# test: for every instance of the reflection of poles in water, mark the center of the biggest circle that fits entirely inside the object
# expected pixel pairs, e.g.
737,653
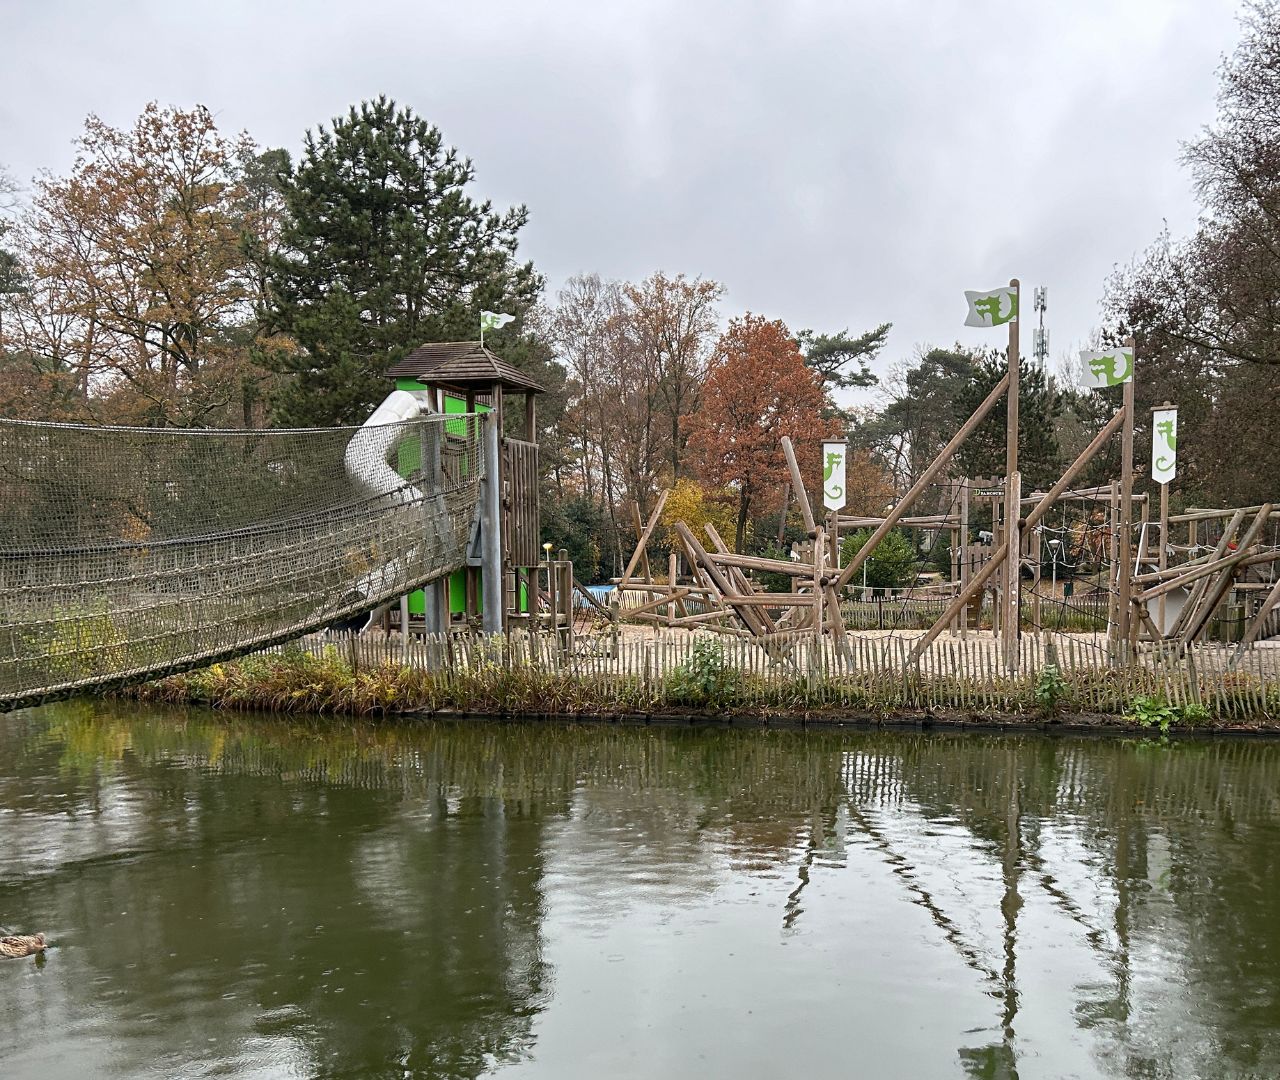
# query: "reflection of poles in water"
1011,902
1122,922
906,873
824,822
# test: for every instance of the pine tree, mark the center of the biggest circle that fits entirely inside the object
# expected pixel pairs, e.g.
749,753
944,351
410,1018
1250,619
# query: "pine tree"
384,250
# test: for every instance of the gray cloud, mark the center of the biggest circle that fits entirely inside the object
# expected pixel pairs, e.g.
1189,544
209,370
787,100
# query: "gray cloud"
834,164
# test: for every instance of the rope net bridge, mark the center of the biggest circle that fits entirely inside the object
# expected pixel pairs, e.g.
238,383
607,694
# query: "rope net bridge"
128,553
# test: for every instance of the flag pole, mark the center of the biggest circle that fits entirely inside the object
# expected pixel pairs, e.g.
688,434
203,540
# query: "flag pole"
1125,614
1013,496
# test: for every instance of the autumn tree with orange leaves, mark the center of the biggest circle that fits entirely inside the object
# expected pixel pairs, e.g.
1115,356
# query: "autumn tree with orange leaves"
758,390
138,290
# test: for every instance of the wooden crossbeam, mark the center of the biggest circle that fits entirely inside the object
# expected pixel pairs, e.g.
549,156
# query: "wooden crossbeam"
1218,590
926,478
645,533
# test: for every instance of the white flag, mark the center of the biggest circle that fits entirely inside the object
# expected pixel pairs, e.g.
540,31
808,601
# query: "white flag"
833,457
1110,367
1164,445
993,308
494,320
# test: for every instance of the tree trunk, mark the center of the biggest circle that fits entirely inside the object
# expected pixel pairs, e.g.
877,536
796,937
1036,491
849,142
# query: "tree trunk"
740,533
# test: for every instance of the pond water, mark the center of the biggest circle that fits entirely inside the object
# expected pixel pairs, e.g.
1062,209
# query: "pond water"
248,897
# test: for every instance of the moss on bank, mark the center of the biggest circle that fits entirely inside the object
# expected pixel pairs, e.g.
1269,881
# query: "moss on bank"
300,682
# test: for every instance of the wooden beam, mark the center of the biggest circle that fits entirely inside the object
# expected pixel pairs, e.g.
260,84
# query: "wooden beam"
926,478
739,579
978,580
645,533
797,484
756,562
1256,623
1126,506
1219,552
749,616
1216,593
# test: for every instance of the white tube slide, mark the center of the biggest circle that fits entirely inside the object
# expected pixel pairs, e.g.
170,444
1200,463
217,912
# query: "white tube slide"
367,459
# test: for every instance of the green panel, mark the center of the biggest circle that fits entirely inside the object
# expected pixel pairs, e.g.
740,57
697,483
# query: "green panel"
408,458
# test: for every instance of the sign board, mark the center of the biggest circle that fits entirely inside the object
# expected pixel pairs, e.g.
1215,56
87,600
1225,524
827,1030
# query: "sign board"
1164,444
989,493
833,478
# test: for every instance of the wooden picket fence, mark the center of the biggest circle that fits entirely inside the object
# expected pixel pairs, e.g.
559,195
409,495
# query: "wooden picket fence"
966,673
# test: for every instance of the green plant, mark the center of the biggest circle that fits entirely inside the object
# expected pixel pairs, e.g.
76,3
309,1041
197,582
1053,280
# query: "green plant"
1148,711
1050,689
770,580
706,680
891,566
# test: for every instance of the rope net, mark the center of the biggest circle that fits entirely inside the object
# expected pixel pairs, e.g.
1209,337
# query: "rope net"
129,553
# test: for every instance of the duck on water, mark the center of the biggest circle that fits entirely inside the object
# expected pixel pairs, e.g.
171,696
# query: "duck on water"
19,945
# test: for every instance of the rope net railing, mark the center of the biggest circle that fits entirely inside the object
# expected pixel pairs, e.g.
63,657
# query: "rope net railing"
130,553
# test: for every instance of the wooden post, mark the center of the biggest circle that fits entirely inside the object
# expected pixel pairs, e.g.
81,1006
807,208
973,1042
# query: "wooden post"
672,559
491,530
974,585
797,484
1125,568
1013,571
1013,500
819,558
643,541
965,568
1164,547
1113,577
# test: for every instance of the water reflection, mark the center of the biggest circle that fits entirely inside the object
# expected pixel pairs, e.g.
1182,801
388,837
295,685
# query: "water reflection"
266,898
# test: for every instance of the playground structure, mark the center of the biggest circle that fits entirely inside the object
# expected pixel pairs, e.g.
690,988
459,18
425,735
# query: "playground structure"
128,554
1148,598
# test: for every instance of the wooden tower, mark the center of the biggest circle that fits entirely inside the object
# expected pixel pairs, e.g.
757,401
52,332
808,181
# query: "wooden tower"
465,377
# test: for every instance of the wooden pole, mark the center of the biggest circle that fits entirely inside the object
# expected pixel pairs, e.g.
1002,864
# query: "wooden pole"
1013,572
1113,576
975,583
1013,500
1164,549
797,484
1125,570
1219,590
819,558
964,550
926,478
645,533
672,559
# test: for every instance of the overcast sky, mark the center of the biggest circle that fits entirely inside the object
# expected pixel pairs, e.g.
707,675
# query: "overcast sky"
833,164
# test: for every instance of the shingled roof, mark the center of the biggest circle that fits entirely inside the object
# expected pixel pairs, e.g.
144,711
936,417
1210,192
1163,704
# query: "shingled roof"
463,365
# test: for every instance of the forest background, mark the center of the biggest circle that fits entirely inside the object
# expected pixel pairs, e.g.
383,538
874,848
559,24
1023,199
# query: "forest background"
178,275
